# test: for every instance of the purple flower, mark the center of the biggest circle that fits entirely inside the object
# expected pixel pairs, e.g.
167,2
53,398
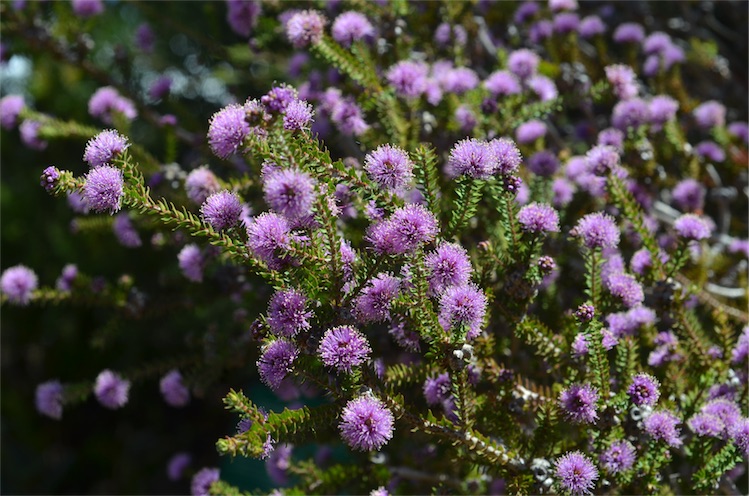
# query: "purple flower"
530,131
710,114
629,32
177,465
298,116
87,8
227,131
465,118
689,195
277,464
67,278
597,230
737,129
726,410
661,109
222,210
538,218
405,230
543,87
566,22
627,288
692,227
125,232
710,150
242,16
473,158
202,480
305,28
446,32
200,184
287,313
276,362
10,107
506,154
623,81
502,83
408,78
373,304
160,87
543,163
448,266
661,425
18,284
462,306
612,137
49,399
344,348
630,113
366,423
347,115
525,11
618,457
30,135
557,5
275,101
563,191
191,262
104,147
540,30
437,389
523,63
459,80
575,473
111,390
590,26
103,189
173,389
390,167
741,351
145,38
739,432
106,101
644,390
290,192
266,235
579,403
706,424
656,42
351,26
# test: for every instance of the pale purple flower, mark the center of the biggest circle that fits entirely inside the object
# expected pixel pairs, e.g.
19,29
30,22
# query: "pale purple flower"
465,118
10,107
618,457
446,32
227,131
373,304
625,287
448,266
29,131
111,390
741,351
268,234
473,158
530,131
404,231
305,28
710,150
18,284
160,87
276,362
543,87
662,425
506,155
578,402
656,43
177,465
458,80
706,424
277,464
366,423
502,83
462,306
692,227
106,101
437,389
343,348
538,218
408,78
641,261
611,137
623,81
661,109
200,184
591,26
689,195
543,163
290,192
566,22
390,167
77,202
710,114
629,32
298,116
222,210
49,399
202,481
349,118
726,410
287,313
191,262
125,231
739,433
644,390
525,11
103,189
275,101
630,113
87,8
557,5
67,278
173,389
242,16
563,191
351,26
597,230
740,130
104,147
145,38
575,473
540,30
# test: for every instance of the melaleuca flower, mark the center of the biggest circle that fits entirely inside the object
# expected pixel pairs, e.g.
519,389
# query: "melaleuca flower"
390,167
373,304
297,116
618,457
242,15
692,227
739,433
111,390
277,464
627,323
104,147
348,116
627,288
741,351
446,32
409,79
160,87
563,191
276,362
366,423
525,11
558,5
404,231
106,101
662,425
202,480
29,130
623,81
462,305
538,218
523,63
343,348
65,282
543,163
597,230
629,32
87,8
502,83
191,262
661,109
103,189
222,210
566,22
173,389
630,113
10,107
506,155
530,131
448,266
644,390
575,473
49,399
290,192
689,195
710,150
578,402
177,465
591,26
710,114
726,410
472,158
305,28
287,313
612,137
465,118
351,26
437,389
144,38
380,491
18,283
705,424
540,30
641,261
227,131
403,336
602,159
739,130
200,184
277,99
267,235
458,80
125,232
